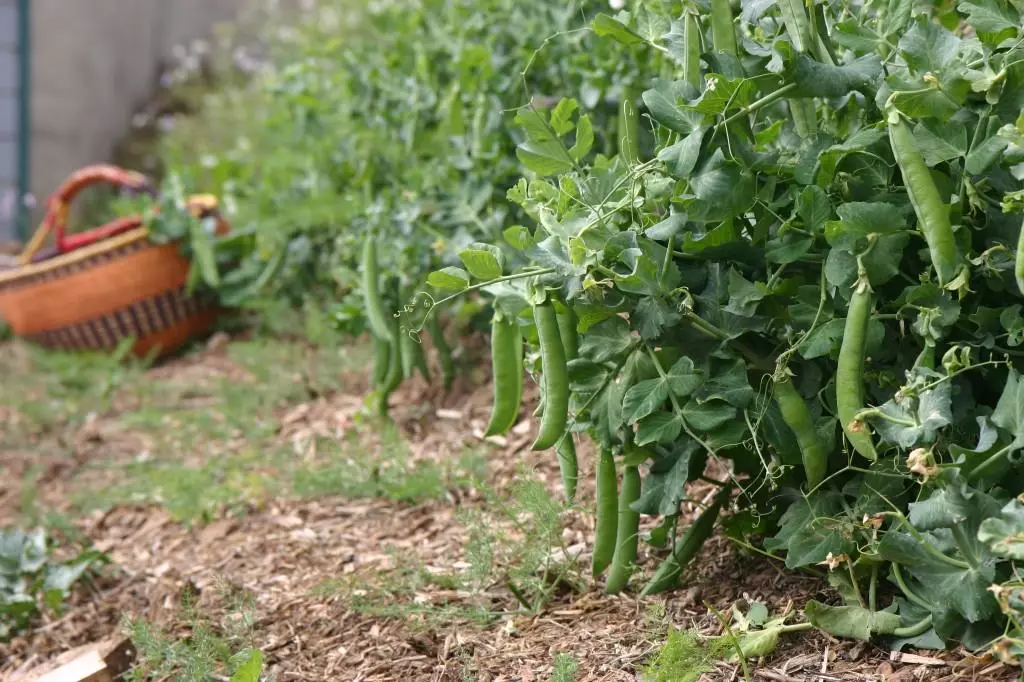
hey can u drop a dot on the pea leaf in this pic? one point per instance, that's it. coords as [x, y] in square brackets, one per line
[853, 622]
[815, 79]
[681, 157]
[484, 261]
[940, 142]
[929, 47]
[584, 138]
[941, 582]
[660, 427]
[643, 399]
[664, 486]
[606, 339]
[683, 378]
[544, 158]
[987, 16]
[605, 25]
[1009, 412]
[810, 530]
[728, 382]
[660, 102]
[1004, 534]
[708, 416]
[449, 279]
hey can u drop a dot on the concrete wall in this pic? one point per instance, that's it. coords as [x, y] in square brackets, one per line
[94, 62]
[9, 97]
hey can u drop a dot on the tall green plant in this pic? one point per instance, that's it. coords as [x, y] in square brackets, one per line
[803, 285]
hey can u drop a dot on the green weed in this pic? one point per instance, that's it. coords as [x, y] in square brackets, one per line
[565, 669]
[684, 657]
[208, 652]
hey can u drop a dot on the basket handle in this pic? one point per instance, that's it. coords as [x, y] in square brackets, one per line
[55, 220]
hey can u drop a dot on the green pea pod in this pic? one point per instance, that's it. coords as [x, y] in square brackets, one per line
[375, 315]
[627, 534]
[691, 49]
[382, 357]
[507, 369]
[798, 26]
[413, 357]
[568, 466]
[567, 322]
[555, 378]
[444, 351]
[607, 512]
[723, 33]
[932, 212]
[798, 418]
[394, 376]
[804, 117]
[1018, 266]
[670, 570]
[850, 371]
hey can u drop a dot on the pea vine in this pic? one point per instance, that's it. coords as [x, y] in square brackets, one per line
[798, 276]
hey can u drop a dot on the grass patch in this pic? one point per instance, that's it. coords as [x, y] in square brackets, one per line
[684, 657]
[565, 670]
[208, 651]
[511, 565]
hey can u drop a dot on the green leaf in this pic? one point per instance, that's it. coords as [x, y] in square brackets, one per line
[985, 154]
[709, 415]
[251, 669]
[544, 158]
[744, 296]
[606, 339]
[643, 399]
[723, 94]
[667, 228]
[814, 208]
[810, 530]
[729, 383]
[683, 378]
[988, 16]
[1004, 534]
[941, 582]
[823, 340]
[651, 26]
[664, 487]
[584, 138]
[484, 261]
[853, 622]
[929, 47]
[1009, 412]
[815, 79]
[561, 116]
[449, 279]
[940, 142]
[605, 25]
[660, 427]
[681, 157]
[923, 407]
[660, 102]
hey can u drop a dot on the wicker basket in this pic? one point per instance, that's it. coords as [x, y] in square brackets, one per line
[105, 285]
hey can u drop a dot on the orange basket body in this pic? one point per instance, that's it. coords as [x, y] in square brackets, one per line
[95, 296]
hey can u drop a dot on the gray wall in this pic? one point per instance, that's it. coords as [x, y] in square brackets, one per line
[94, 63]
[9, 97]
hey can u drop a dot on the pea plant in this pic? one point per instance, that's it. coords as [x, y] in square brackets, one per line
[797, 277]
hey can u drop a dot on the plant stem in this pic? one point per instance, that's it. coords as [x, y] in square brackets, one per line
[897, 573]
[988, 464]
[918, 628]
[506, 278]
[754, 106]
[875, 412]
[963, 544]
[873, 588]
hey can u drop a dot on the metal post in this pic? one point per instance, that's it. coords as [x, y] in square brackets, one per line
[24, 213]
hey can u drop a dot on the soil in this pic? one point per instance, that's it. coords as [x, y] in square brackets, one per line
[279, 556]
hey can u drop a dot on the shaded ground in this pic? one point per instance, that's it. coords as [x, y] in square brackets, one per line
[245, 500]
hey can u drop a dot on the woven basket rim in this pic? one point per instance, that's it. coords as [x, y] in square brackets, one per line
[130, 237]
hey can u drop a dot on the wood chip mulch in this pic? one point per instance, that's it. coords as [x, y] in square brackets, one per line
[299, 567]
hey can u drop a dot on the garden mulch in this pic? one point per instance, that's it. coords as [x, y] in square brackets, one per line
[282, 558]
